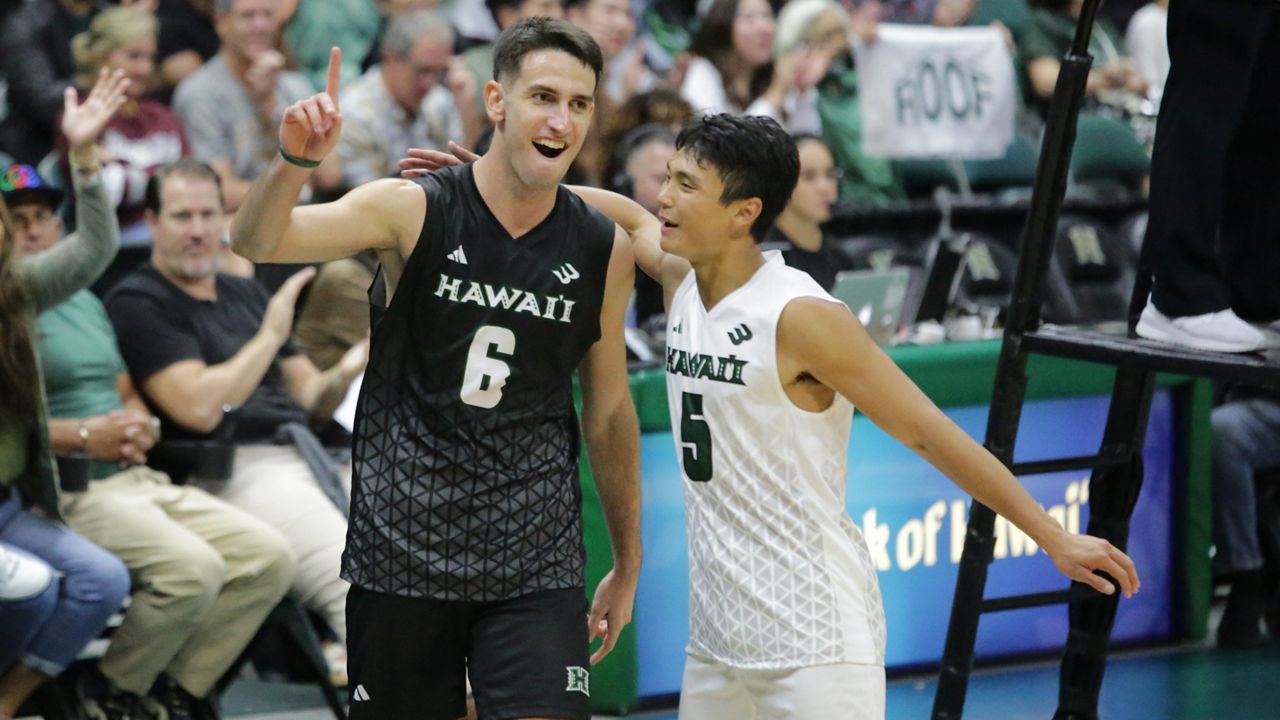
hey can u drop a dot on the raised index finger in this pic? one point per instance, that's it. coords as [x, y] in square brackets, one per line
[335, 70]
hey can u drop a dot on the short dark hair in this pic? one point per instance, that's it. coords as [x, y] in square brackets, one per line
[189, 168]
[540, 33]
[754, 156]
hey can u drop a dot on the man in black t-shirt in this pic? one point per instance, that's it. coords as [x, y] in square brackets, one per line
[198, 343]
[465, 547]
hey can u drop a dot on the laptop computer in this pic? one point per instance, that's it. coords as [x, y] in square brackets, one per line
[876, 298]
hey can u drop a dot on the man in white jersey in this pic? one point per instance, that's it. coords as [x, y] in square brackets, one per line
[763, 371]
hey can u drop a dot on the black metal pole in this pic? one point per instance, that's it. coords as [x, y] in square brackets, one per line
[1010, 382]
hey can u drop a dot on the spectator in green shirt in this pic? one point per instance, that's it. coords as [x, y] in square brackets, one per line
[1052, 30]
[206, 573]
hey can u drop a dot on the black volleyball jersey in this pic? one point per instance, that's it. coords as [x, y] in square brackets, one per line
[465, 459]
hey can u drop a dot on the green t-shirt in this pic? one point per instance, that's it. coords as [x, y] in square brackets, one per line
[80, 358]
[1051, 34]
[81, 362]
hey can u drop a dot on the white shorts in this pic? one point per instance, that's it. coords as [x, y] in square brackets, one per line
[712, 690]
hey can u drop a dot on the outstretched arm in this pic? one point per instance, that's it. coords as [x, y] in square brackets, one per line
[381, 215]
[612, 434]
[825, 340]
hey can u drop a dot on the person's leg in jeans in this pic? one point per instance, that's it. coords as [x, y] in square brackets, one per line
[92, 587]
[28, 596]
[1246, 439]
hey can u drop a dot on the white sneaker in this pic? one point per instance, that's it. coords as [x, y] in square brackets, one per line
[1222, 331]
[21, 577]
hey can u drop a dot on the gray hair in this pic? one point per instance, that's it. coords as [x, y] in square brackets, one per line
[406, 28]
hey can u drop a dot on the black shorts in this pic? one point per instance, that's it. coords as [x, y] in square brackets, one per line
[408, 658]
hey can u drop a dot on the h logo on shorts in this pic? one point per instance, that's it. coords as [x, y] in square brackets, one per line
[579, 680]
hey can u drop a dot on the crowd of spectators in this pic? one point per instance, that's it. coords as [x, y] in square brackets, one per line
[190, 347]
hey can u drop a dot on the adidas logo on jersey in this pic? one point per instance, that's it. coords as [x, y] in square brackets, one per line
[458, 256]
[359, 694]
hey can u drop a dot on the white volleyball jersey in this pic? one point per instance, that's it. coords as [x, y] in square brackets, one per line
[779, 574]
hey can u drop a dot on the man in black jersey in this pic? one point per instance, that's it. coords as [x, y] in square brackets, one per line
[465, 544]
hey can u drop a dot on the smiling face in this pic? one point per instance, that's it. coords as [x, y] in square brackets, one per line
[542, 115]
[695, 223]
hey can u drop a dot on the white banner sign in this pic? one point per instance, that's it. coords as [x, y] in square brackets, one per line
[936, 93]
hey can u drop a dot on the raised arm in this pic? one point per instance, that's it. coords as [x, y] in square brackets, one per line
[382, 215]
[77, 261]
[824, 340]
[612, 434]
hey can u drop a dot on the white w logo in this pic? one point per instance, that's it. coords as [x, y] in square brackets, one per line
[566, 274]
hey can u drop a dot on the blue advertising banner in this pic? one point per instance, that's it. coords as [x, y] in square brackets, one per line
[914, 521]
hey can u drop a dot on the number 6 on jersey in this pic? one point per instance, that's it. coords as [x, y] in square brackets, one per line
[486, 373]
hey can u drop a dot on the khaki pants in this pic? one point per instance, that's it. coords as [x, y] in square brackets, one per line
[205, 574]
[273, 484]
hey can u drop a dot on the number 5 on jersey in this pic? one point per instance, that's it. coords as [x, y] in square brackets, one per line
[486, 371]
[695, 439]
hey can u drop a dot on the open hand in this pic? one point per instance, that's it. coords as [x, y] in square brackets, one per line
[311, 127]
[82, 122]
[421, 161]
[278, 319]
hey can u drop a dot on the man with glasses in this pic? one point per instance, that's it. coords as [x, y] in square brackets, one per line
[230, 105]
[420, 95]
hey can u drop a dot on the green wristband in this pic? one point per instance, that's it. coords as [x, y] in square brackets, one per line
[300, 162]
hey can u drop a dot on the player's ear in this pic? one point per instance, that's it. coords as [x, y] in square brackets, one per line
[494, 101]
[745, 213]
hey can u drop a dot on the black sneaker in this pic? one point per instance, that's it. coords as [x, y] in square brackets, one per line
[124, 705]
[1241, 624]
[182, 705]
